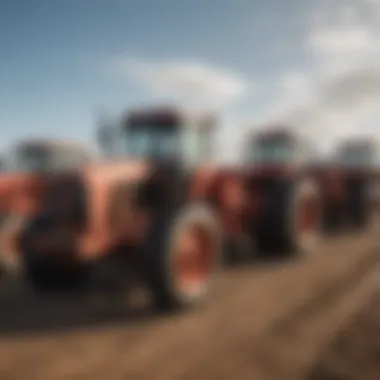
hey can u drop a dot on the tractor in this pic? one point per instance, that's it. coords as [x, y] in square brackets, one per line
[285, 195]
[158, 209]
[357, 161]
[26, 168]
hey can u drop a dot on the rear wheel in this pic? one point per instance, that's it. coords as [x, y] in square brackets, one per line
[360, 207]
[291, 217]
[181, 255]
[375, 204]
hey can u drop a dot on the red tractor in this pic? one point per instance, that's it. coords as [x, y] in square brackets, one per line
[357, 162]
[159, 209]
[285, 196]
[26, 168]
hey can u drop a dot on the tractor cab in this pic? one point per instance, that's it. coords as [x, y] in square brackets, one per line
[39, 157]
[357, 160]
[162, 135]
[171, 142]
[277, 152]
[356, 157]
[28, 167]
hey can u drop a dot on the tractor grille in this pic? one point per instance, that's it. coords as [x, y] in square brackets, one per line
[65, 201]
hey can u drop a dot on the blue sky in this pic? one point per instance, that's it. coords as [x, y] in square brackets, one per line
[61, 60]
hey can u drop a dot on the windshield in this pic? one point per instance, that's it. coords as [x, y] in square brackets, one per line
[31, 161]
[152, 141]
[38, 160]
[355, 157]
[272, 152]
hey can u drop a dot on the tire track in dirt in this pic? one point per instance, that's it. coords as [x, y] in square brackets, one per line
[290, 355]
[328, 295]
[354, 354]
[292, 358]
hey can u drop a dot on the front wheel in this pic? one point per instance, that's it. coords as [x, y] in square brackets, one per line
[182, 253]
[50, 277]
[52, 271]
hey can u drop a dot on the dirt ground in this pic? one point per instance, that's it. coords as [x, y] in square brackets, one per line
[278, 320]
[355, 352]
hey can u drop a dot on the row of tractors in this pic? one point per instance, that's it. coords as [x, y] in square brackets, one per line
[158, 208]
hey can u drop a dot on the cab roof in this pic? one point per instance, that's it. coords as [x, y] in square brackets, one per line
[276, 131]
[358, 143]
[170, 114]
[51, 144]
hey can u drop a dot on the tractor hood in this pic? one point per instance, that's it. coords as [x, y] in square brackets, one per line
[19, 192]
[8, 182]
[109, 171]
[155, 181]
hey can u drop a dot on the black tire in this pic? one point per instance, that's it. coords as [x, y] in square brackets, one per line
[334, 216]
[277, 228]
[54, 272]
[48, 277]
[158, 256]
[374, 204]
[359, 208]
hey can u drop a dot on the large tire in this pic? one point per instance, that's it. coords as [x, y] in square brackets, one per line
[374, 204]
[291, 217]
[334, 216]
[54, 273]
[48, 277]
[172, 285]
[359, 207]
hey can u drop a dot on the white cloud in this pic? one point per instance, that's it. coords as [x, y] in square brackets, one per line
[339, 93]
[336, 95]
[358, 86]
[193, 83]
[338, 41]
